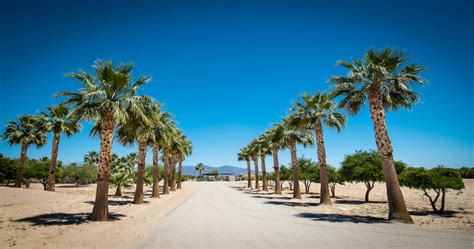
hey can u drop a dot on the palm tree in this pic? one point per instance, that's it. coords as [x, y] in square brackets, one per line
[92, 157]
[107, 99]
[383, 78]
[243, 155]
[291, 136]
[143, 132]
[275, 136]
[254, 152]
[186, 150]
[58, 121]
[312, 112]
[264, 149]
[161, 129]
[122, 179]
[199, 167]
[25, 132]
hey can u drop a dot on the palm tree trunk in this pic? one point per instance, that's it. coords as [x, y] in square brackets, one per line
[277, 170]
[21, 165]
[255, 162]
[50, 186]
[249, 175]
[396, 203]
[156, 172]
[118, 191]
[180, 170]
[264, 173]
[173, 174]
[142, 147]
[296, 173]
[325, 196]
[166, 189]
[100, 212]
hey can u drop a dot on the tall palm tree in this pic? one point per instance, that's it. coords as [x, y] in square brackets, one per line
[385, 80]
[106, 99]
[264, 150]
[162, 127]
[58, 121]
[312, 112]
[175, 149]
[186, 150]
[291, 136]
[142, 132]
[199, 167]
[254, 152]
[275, 136]
[244, 155]
[25, 132]
[168, 157]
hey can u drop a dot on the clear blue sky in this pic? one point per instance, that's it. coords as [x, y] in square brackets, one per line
[229, 69]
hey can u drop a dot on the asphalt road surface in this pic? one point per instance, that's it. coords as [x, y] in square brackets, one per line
[220, 216]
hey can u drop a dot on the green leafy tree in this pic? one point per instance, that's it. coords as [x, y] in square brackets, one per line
[334, 178]
[285, 174]
[8, 168]
[39, 170]
[57, 120]
[214, 172]
[385, 79]
[365, 167]
[25, 132]
[308, 172]
[80, 174]
[438, 180]
[466, 173]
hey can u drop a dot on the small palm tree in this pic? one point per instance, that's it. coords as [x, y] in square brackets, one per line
[312, 112]
[58, 121]
[244, 155]
[386, 82]
[106, 99]
[291, 136]
[275, 136]
[25, 132]
[199, 167]
[121, 180]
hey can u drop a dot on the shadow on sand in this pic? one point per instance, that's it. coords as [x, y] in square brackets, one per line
[63, 219]
[446, 214]
[342, 218]
[116, 202]
[293, 204]
[358, 202]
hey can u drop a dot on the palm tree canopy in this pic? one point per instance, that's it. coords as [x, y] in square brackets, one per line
[110, 92]
[58, 120]
[318, 108]
[199, 167]
[381, 71]
[264, 144]
[92, 157]
[293, 134]
[244, 154]
[25, 131]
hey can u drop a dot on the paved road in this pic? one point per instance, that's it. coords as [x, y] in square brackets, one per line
[219, 216]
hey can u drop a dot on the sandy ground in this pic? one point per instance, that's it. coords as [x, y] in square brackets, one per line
[350, 201]
[33, 218]
[223, 215]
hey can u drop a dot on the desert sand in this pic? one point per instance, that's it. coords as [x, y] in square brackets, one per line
[33, 218]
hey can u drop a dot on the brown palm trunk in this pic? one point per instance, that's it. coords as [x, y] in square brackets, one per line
[142, 146]
[264, 173]
[249, 175]
[296, 172]
[50, 186]
[325, 198]
[156, 174]
[166, 189]
[21, 165]
[276, 167]
[180, 171]
[173, 174]
[255, 162]
[118, 191]
[396, 203]
[100, 212]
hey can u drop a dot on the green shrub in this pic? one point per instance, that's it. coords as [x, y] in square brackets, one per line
[8, 167]
[80, 174]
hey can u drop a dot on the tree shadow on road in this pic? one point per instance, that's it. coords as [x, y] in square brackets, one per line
[63, 219]
[358, 202]
[342, 218]
[293, 204]
[271, 197]
[116, 202]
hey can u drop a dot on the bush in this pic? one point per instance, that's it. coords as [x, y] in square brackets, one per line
[8, 167]
[39, 170]
[308, 172]
[285, 175]
[334, 179]
[80, 174]
[439, 180]
[466, 173]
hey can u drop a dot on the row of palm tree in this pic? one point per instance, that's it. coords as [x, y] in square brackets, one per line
[382, 78]
[110, 100]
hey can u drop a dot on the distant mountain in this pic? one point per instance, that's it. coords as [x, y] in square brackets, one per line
[189, 170]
